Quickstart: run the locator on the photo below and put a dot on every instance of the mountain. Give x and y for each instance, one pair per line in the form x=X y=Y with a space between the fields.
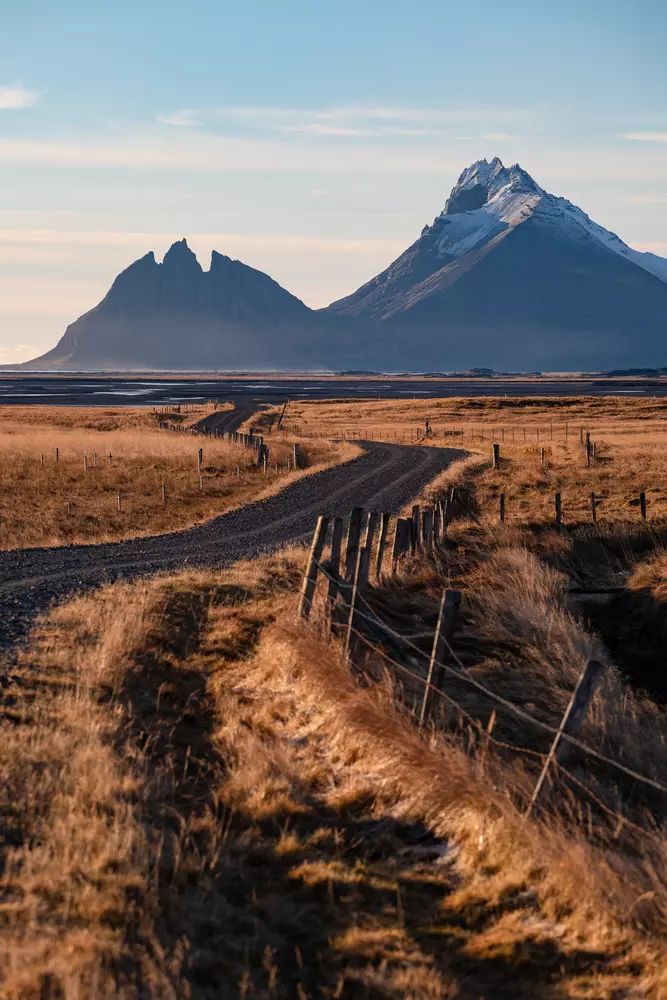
x=176 y=315
x=512 y=277
x=508 y=277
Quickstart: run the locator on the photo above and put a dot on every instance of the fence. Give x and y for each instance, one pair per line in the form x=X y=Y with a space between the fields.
x=348 y=614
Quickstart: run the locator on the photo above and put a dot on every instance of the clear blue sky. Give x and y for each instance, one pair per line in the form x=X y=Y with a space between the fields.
x=311 y=140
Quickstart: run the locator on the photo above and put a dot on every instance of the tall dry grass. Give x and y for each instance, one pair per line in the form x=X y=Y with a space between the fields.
x=44 y=501
x=240 y=813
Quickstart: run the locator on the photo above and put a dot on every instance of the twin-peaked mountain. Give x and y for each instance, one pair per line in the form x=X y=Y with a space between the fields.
x=175 y=315
x=507 y=277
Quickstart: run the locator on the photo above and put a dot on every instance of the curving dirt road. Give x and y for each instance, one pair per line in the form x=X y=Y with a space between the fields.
x=384 y=478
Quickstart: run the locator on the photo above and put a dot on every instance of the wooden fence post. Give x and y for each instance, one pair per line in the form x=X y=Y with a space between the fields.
x=295 y=456
x=571 y=723
x=360 y=582
x=541 y=458
x=382 y=541
x=352 y=546
x=118 y=501
x=416 y=542
x=588 y=448
x=57 y=455
x=164 y=493
x=427 y=528
x=444 y=630
x=399 y=542
x=502 y=508
x=496 y=456
x=559 y=512
x=642 y=504
x=200 y=458
x=334 y=562
x=437 y=522
x=310 y=577
x=85 y=464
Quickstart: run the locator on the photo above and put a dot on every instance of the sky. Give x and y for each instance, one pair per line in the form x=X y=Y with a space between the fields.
x=311 y=140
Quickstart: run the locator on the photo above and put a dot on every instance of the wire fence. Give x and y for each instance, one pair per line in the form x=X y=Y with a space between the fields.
x=360 y=611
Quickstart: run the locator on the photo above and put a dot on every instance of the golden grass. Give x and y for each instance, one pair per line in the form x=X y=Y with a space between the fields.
x=203 y=799
x=126 y=454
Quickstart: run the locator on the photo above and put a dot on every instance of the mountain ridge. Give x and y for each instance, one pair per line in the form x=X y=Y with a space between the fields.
x=507 y=276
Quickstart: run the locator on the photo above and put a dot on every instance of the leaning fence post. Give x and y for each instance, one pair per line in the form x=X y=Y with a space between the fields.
x=444 y=630
x=571 y=723
x=382 y=541
x=310 y=577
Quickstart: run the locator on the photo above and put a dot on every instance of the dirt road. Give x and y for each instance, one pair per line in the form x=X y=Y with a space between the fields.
x=384 y=478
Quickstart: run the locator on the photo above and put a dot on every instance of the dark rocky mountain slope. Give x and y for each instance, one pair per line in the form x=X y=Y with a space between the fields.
x=507 y=277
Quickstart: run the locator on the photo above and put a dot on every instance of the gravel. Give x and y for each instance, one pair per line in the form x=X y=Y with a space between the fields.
x=384 y=478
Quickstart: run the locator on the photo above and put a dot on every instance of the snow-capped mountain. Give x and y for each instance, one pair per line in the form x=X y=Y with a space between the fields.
x=485 y=206
x=509 y=276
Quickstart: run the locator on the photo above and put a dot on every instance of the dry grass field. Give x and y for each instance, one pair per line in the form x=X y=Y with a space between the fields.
x=202 y=797
x=48 y=498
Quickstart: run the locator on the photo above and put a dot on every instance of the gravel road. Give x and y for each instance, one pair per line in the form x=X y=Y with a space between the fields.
x=385 y=478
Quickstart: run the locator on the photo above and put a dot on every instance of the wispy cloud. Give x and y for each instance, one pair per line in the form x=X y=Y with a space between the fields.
x=185 y=118
x=148 y=241
x=14 y=97
x=354 y=120
x=647 y=199
x=645 y=136
x=497 y=136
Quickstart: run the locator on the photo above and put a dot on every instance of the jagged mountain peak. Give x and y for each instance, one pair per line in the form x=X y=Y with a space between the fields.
x=482 y=182
x=179 y=255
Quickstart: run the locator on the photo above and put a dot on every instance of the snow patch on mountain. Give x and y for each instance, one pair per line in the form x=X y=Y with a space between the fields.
x=489 y=199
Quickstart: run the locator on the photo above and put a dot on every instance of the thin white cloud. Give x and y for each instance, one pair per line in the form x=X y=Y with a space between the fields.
x=645 y=136
x=346 y=120
x=149 y=241
x=497 y=136
x=14 y=97
x=203 y=152
x=185 y=118
x=648 y=199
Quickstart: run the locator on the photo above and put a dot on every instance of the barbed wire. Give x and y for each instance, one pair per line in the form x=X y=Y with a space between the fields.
x=490 y=739
x=464 y=676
